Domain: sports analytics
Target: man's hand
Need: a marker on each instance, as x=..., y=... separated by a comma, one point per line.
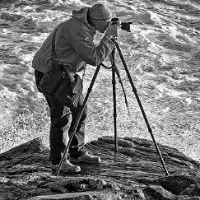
x=112, y=30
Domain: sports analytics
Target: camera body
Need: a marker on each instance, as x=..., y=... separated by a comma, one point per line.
x=123, y=25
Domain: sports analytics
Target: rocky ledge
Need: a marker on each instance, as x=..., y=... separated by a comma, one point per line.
x=135, y=172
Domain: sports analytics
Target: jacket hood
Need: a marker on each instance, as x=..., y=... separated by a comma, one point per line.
x=81, y=15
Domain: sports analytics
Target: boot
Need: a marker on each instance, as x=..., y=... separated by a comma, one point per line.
x=67, y=167
x=86, y=158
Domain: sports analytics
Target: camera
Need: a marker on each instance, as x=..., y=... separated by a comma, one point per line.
x=123, y=25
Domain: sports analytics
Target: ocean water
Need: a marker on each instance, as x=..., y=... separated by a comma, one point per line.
x=162, y=53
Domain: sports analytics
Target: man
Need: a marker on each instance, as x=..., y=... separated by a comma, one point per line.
x=74, y=49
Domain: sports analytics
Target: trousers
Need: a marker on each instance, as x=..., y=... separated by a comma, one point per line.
x=63, y=117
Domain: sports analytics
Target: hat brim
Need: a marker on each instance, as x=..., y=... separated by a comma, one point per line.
x=94, y=19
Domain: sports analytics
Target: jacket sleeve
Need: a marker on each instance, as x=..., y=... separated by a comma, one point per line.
x=80, y=39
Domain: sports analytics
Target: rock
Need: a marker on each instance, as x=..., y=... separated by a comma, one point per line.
x=187, y=198
x=189, y=190
x=97, y=183
x=33, y=146
x=134, y=172
x=79, y=196
x=176, y=184
x=157, y=192
x=67, y=196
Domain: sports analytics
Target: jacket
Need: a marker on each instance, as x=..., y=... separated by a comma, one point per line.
x=74, y=45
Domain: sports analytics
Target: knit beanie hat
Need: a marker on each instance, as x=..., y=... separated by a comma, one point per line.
x=100, y=12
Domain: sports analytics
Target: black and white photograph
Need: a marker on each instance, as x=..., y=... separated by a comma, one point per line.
x=99, y=100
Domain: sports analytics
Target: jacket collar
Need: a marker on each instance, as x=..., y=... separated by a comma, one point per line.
x=82, y=15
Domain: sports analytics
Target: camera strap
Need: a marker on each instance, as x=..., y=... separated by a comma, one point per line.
x=53, y=51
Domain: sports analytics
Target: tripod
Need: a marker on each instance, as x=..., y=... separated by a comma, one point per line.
x=114, y=72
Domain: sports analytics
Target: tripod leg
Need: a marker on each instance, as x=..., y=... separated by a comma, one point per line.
x=140, y=104
x=78, y=119
x=112, y=60
x=120, y=81
x=114, y=109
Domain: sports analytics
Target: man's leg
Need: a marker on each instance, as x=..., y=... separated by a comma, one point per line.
x=77, y=151
x=60, y=121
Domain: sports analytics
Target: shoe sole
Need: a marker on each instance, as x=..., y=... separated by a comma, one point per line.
x=73, y=160
x=66, y=172
x=54, y=170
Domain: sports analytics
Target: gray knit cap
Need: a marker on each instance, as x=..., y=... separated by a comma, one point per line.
x=100, y=12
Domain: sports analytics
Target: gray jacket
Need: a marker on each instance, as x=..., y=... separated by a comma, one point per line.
x=74, y=45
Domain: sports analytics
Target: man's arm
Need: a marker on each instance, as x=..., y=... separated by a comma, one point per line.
x=81, y=40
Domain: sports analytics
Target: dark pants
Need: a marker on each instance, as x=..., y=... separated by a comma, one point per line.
x=63, y=118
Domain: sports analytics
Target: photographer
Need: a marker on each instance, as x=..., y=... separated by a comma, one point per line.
x=71, y=46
